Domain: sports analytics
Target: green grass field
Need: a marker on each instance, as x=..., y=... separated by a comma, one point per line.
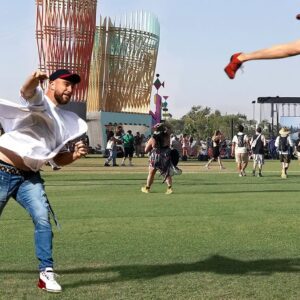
x=217, y=237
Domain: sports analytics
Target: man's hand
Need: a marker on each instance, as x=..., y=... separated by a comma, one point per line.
x=80, y=149
x=28, y=88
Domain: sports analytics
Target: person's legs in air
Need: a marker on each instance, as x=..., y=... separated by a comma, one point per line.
x=274, y=52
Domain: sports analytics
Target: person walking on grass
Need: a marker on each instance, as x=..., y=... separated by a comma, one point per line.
x=185, y=142
x=284, y=144
x=297, y=147
x=36, y=132
x=258, y=144
x=111, y=148
x=114, y=139
x=217, y=139
x=239, y=150
x=138, y=139
x=162, y=158
x=128, y=142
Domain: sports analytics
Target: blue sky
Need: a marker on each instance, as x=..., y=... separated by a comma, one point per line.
x=197, y=38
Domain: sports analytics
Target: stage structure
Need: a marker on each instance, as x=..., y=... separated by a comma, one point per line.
x=122, y=70
x=279, y=108
x=65, y=31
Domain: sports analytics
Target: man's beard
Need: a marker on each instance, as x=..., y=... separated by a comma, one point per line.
x=60, y=99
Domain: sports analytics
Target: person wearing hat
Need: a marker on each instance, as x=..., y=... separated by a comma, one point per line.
x=284, y=143
x=36, y=132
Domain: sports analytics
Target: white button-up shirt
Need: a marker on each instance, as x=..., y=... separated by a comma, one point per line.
x=37, y=130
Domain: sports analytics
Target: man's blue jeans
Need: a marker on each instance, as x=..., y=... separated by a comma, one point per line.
x=29, y=193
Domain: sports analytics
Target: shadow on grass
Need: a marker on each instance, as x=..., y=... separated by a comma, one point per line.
x=215, y=264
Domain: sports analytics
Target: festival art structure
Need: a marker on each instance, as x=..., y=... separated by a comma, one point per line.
x=121, y=75
x=65, y=31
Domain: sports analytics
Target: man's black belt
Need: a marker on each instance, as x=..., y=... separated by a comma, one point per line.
x=10, y=169
x=7, y=168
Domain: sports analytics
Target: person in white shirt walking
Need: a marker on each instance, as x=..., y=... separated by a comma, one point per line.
x=284, y=144
x=36, y=132
x=239, y=150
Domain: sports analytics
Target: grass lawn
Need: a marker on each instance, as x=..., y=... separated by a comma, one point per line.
x=218, y=236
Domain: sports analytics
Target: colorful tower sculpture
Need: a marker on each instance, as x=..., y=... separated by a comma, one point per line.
x=165, y=109
x=123, y=64
x=65, y=31
x=122, y=69
x=156, y=116
x=161, y=110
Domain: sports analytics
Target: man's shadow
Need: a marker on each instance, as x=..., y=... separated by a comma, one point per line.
x=214, y=264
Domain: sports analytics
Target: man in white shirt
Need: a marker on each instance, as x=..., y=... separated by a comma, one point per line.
x=36, y=132
x=284, y=144
x=239, y=149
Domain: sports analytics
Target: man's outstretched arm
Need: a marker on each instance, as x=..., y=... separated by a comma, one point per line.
x=29, y=86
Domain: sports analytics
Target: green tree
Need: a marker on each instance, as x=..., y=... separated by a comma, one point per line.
x=201, y=122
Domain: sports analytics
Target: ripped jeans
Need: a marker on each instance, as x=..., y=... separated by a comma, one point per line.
x=28, y=190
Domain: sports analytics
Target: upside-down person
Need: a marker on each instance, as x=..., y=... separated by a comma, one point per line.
x=36, y=132
x=162, y=157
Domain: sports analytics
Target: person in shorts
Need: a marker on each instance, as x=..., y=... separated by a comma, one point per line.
x=217, y=139
x=258, y=144
x=239, y=150
x=128, y=141
x=284, y=144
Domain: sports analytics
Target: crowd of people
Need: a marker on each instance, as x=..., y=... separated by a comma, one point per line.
x=244, y=148
x=124, y=145
x=127, y=145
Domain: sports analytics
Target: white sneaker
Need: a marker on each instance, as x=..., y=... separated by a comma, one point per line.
x=47, y=281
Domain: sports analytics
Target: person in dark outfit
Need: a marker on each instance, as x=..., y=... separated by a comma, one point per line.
x=128, y=140
x=297, y=147
x=217, y=138
x=161, y=158
x=283, y=144
x=258, y=143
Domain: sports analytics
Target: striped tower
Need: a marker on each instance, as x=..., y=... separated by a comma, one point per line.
x=123, y=64
x=65, y=31
x=122, y=70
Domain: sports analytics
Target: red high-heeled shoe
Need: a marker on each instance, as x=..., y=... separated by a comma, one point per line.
x=233, y=66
